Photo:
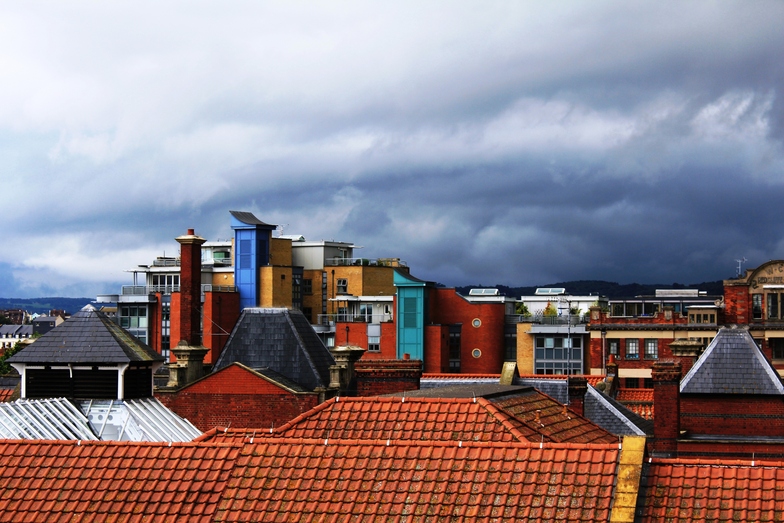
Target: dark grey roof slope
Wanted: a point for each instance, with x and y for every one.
(280, 340)
(89, 336)
(248, 218)
(732, 364)
(613, 416)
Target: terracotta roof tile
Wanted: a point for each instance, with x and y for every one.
(625, 395)
(95, 481)
(700, 490)
(368, 481)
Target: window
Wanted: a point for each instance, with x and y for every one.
(612, 347)
(166, 330)
(374, 344)
(777, 348)
(651, 349)
(756, 306)
(558, 355)
(632, 349)
(510, 343)
(773, 306)
(307, 286)
(342, 286)
(631, 383)
(647, 383)
(454, 348)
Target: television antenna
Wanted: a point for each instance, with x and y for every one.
(740, 266)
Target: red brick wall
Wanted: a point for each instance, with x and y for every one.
(666, 398)
(743, 415)
(436, 349)
(357, 335)
(221, 312)
(236, 397)
(737, 304)
(378, 377)
(448, 308)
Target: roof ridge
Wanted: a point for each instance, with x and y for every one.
(287, 440)
(504, 419)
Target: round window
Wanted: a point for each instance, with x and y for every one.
(476, 353)
(477, 322)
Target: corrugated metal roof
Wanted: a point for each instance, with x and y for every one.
(108, 420)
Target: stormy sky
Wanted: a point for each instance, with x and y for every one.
(516, 143)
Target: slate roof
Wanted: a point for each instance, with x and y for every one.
(732, 364)
(282, 341)
(58, 481)
(89, 336)
(613, 416)
(701, 490)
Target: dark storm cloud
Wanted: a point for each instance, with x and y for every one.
(503, 142)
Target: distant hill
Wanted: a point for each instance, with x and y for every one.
(603, 288)
(44, 305)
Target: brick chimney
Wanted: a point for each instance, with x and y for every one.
(577, 386)
(341, 374)
(686, 352)
(190, 288)
(666, 400)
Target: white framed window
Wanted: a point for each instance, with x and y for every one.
(632, 349)
(342, 284)
(651, 349)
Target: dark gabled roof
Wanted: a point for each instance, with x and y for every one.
(89, 336)
(732, 364)
(613, 416)
(282, 341)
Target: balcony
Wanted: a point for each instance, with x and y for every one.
(364, 262)
(146, 290)
(331, 319)
(571, 319)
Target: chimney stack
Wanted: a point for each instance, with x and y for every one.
(577, 386)
(190, 288)
(666, 400)
(686, 352)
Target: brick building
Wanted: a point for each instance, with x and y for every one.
(637, 332)
(254, 269)
(730, 402)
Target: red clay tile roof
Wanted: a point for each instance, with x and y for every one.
(286, 480)
(6, 394)
(644, 410)
(555, 422)
(639, 401)
(699, 490)
(382, 418)
(625, 395)
(508, 417)
(56, 481)
(232, 436)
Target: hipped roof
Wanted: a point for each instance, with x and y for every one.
(89, 336)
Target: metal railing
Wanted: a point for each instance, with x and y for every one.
(331, 319)
(570, 319)
(365, 262)
(144, 290)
